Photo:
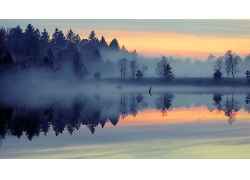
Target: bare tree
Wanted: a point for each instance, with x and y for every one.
(231, 63)
(133, 65)
(123, 64)
(218, 64)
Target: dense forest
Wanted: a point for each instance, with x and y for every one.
(68, 57)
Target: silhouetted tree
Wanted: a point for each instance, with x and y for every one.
(217, 75)
(123, 64)
(47, 64)
(134, 54)
(32, 45)
(79, 69)
(76, 39)
(45, 38)
(3, 41)
(92, 37)
(210, 58)
(58, 38)
(114, 45)
(218, 69)
(70, 36)
(6, 62)
(247, 59)
(123, 48)
(139, 74)
(92, 54)
(97, 75)
(15, 44)
(231, 63)
(48, 60)
(103, 43)
(164, 70)
(50, 54)
(168, 73)
(248, 76)
(133, 66)
(218, 64)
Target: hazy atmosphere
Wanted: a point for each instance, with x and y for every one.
(124, 88)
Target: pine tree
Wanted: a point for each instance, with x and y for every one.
(217, 75)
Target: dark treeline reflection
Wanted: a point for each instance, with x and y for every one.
(230, 107)
(59, 116)
(95, 110)
(163, 102)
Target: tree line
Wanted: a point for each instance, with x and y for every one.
(34, 50)
(59, 54)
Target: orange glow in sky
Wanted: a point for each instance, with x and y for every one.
(181, 45)
(195, 38)
(177, 116)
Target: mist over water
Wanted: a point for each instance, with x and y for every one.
(71, 94)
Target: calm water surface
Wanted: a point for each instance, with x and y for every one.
(121, 124)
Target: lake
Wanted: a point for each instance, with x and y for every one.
(124, 124)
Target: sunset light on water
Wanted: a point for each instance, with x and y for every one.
(116, 90)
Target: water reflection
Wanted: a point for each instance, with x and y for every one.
(61, 115)
(248, 98)
(231, 108)
(163, 102)
(217, 101)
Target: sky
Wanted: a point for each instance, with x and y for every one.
(145, 27)
(178, 29)
(194, 38)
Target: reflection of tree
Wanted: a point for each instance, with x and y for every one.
(133, 106)
(114, 119)
(141, 101)
(58, 116)
(60, 119)
(25, 119)
(247, 98)
(92, 119)
(47, 117)
(247, 101)
(230, 108)
(32, 123)
(123, 110)
(163, 102)
(5, 115)
(217, 101)
(74, 121)
(103, 122)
